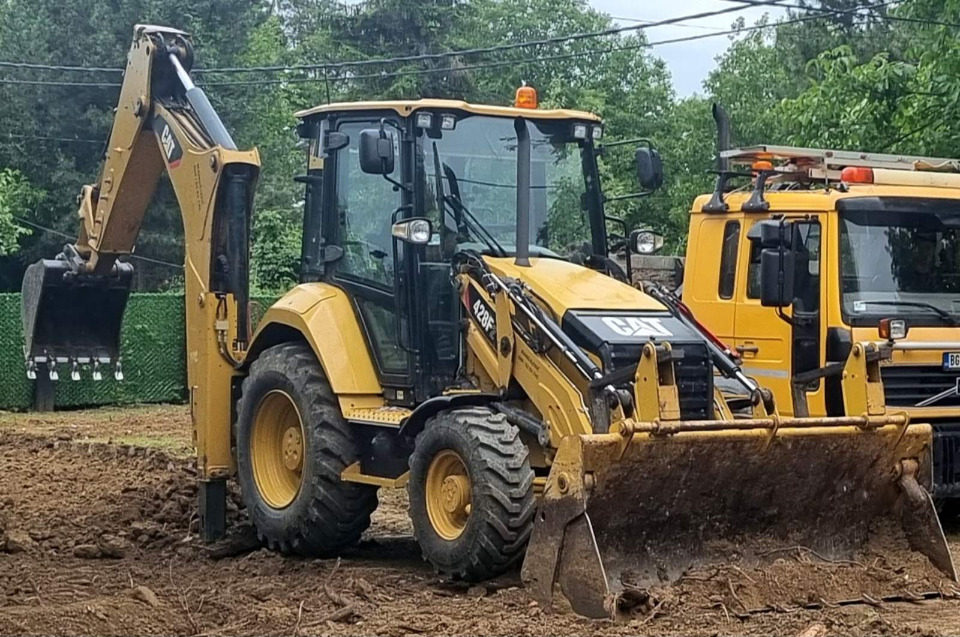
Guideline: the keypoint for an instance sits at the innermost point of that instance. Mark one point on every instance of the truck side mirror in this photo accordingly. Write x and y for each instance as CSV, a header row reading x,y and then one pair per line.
x,y
376,152
649,168
777,261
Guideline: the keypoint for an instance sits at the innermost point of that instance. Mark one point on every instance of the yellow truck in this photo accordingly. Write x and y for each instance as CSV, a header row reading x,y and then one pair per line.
x,y
822,249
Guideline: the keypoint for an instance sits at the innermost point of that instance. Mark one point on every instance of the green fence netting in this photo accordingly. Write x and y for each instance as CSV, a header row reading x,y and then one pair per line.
x,y
152,349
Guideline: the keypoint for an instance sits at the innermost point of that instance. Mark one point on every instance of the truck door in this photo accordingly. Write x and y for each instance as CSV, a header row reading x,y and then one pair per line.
x,y
771,348
710,273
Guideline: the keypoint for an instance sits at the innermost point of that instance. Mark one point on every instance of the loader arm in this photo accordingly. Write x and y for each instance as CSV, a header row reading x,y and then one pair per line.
x,y
72,305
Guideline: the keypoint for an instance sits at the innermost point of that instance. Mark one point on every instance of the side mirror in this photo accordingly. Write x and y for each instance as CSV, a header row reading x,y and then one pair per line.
x,y
777,261
376,152
649,168
645,242
417,231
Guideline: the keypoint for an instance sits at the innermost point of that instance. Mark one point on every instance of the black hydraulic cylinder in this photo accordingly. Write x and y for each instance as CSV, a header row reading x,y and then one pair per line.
x,y
237,201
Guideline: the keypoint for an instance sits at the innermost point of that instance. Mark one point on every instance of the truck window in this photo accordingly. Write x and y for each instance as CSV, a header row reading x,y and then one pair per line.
x,y
728,259
753,272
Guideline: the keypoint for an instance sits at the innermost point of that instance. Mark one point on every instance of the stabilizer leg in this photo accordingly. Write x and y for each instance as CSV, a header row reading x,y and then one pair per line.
x,y
213,509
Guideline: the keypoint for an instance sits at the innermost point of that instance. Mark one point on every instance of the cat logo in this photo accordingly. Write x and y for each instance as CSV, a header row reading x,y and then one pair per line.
x,y
168,141
167,138
636,326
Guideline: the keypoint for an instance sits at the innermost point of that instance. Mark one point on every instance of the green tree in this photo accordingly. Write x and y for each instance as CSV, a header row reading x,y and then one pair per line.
x,y
17,198
275,252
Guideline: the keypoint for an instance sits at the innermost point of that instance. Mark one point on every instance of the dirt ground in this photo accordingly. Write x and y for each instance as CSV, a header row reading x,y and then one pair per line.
x,y
98,537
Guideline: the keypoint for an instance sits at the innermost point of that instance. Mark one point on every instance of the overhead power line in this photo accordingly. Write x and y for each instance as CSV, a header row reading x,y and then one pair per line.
x,y
55,67
647,22
7,80
52,139
413,58
64,235
856,11
512,62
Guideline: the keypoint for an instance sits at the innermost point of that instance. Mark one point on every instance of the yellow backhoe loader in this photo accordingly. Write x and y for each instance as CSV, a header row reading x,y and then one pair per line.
x,y
532,405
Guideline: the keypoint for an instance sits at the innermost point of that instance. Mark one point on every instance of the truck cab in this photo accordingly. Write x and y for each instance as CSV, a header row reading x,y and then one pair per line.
x,y
863,248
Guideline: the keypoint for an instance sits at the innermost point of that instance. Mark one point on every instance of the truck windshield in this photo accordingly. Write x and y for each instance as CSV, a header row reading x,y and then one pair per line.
x,y
900,264
478,176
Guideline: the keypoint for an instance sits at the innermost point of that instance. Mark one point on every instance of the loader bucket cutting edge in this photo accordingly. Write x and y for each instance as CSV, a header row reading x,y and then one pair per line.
x,y
646,511
69,317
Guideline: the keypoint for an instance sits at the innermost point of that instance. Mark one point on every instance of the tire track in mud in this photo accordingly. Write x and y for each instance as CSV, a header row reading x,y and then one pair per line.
x,y
104,541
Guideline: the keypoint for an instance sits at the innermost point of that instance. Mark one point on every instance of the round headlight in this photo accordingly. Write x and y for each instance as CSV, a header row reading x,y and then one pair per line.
x,y
419,231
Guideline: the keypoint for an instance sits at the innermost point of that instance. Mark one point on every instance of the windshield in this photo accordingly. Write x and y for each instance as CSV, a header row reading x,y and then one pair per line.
x,y
900,263
478,176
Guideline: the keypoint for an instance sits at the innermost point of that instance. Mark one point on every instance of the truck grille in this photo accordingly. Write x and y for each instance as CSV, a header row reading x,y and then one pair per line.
x,y
946,460
906,385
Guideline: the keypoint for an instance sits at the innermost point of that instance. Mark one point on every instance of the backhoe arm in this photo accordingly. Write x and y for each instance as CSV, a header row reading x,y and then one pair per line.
x,y
73,305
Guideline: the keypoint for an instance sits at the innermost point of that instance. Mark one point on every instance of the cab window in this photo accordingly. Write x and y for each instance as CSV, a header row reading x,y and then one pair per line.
x,y
364,206
728,259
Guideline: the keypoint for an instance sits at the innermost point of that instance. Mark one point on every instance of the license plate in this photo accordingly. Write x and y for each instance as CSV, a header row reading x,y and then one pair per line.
x,y
951,360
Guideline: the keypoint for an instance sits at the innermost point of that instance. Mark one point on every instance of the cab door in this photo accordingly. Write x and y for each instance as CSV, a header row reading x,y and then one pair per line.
x,y
773,349
360,210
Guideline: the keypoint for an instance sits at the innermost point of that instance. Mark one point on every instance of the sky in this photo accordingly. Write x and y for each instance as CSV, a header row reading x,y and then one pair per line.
x,y
689,62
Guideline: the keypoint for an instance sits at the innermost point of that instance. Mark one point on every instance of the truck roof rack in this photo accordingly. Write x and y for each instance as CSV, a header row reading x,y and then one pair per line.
x,y
819,164
776,167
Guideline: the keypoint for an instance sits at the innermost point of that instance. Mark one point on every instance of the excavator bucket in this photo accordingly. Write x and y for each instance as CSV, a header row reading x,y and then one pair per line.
x,y
70,317
628,512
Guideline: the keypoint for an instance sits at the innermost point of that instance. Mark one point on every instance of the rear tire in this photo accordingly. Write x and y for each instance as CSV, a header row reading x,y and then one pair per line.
x,y
291,484
471,493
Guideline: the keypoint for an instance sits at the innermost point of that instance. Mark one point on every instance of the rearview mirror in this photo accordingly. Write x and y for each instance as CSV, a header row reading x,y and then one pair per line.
x,y
376,152
649,168
777,261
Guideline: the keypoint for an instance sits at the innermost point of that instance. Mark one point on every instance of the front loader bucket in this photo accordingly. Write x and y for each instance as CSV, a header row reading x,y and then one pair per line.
x,y
633,512
72,317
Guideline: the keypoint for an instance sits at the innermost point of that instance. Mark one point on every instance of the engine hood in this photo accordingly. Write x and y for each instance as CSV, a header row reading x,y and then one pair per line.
x,y
567,286
610,319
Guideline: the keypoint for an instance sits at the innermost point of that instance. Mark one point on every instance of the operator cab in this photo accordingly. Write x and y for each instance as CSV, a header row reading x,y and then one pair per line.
x,y
396,189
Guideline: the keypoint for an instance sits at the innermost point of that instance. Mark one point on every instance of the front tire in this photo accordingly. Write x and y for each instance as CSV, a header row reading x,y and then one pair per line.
x,y
292,444
471,493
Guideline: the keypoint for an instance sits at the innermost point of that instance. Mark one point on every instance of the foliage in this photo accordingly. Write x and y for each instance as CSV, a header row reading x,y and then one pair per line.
x,y
275,255
17,197
858,79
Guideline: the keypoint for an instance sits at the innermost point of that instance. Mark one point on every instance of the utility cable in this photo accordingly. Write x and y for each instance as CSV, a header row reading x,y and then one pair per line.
x,y
64,235
500,63
856,11
410,58
52,139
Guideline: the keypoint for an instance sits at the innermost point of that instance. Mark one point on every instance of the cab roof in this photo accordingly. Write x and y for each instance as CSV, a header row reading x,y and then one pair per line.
x,y
406,107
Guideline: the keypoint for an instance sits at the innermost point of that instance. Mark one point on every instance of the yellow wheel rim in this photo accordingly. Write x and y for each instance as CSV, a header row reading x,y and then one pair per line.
x,y
276,449
448,494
